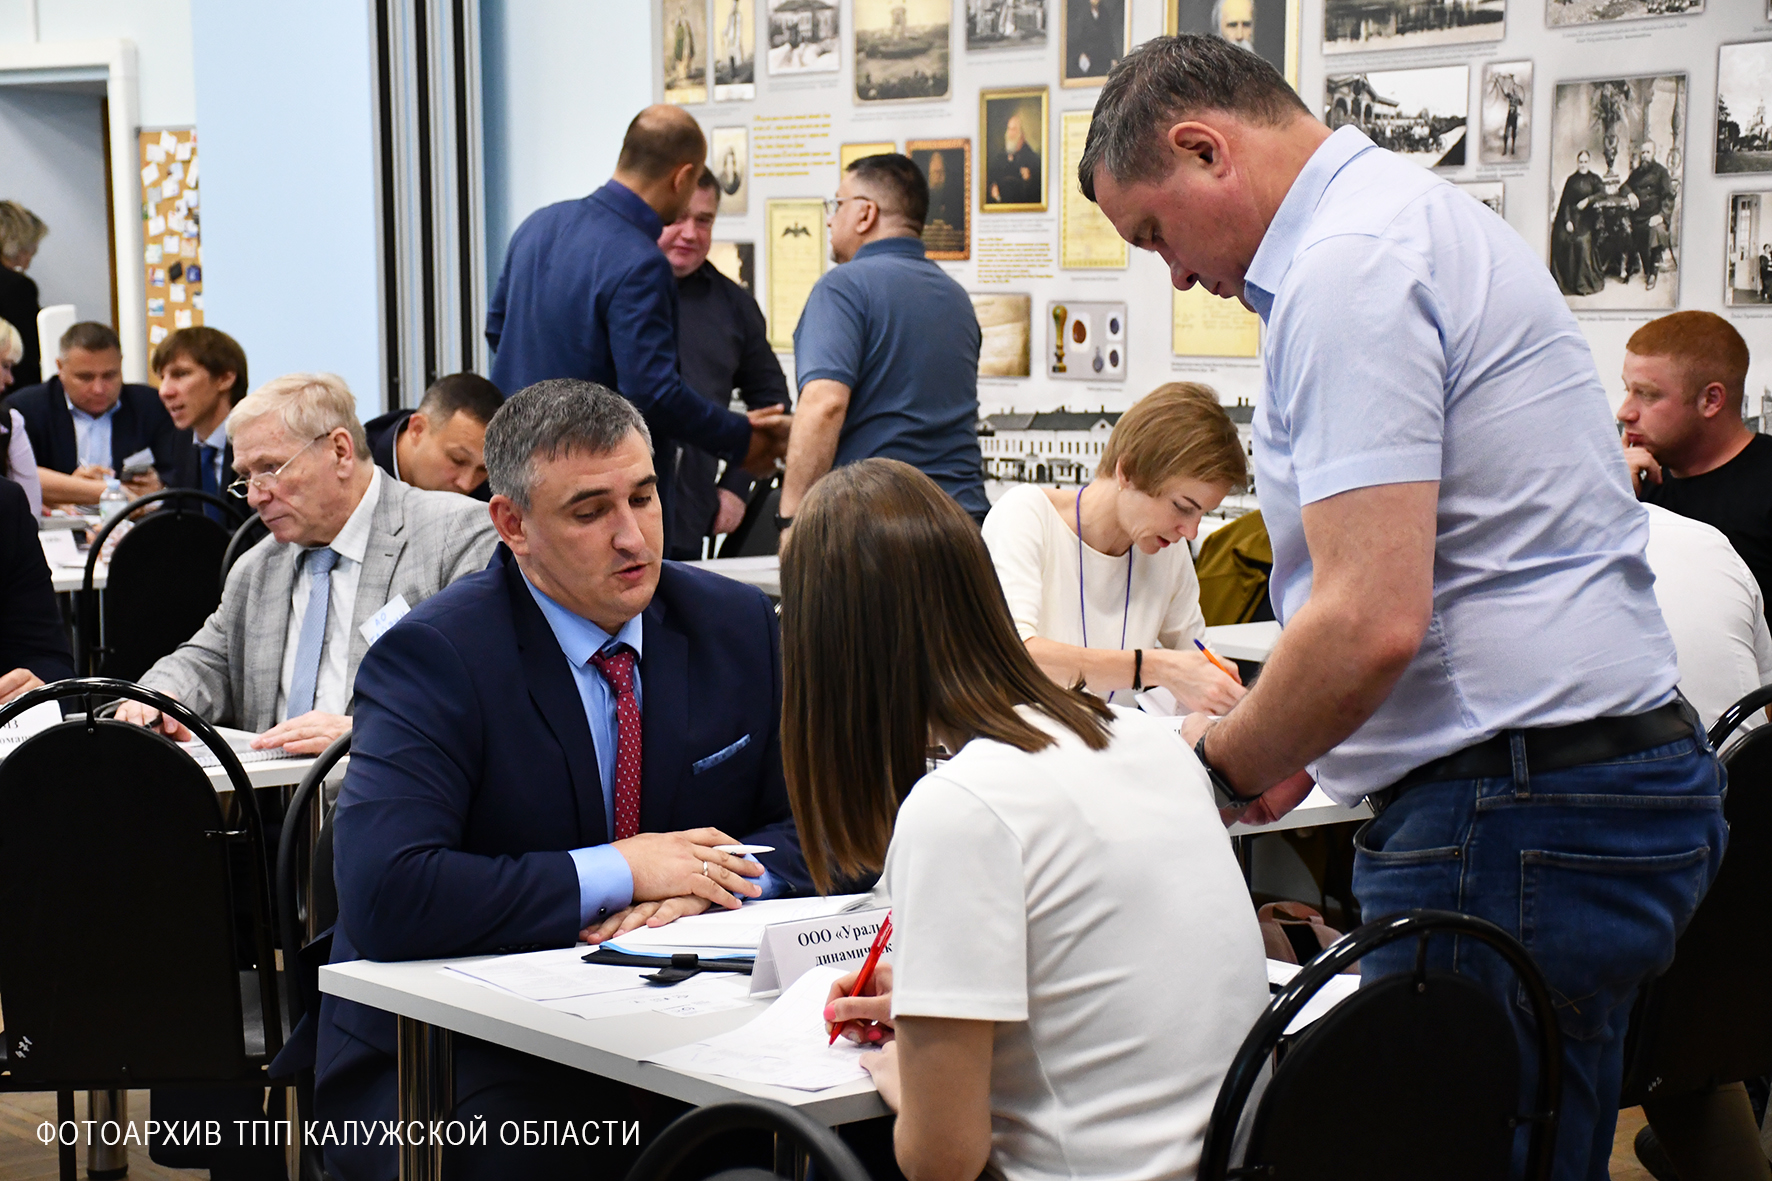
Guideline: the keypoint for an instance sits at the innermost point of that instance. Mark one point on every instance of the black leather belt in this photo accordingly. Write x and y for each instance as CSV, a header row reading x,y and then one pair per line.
x,y
1552,748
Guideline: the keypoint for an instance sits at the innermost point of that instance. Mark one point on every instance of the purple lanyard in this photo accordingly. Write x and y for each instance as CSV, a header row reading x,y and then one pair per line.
x,y
1082,604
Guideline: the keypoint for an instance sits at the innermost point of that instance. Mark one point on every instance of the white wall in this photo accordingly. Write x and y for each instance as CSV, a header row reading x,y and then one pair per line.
x,y
161,30
286,118
561,80
53,145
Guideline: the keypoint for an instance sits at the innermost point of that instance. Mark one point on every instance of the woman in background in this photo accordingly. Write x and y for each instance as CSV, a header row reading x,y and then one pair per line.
x,y
20,233
1061,887
1099,579
18,462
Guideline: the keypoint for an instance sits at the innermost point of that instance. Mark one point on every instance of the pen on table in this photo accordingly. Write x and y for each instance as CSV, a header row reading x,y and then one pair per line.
x,y
1210,655
881,937
744,850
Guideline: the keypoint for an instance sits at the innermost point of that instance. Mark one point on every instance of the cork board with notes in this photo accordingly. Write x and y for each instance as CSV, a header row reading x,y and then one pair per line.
x,y
172,254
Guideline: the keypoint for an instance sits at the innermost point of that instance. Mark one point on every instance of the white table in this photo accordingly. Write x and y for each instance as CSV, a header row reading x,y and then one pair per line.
x,y
431,1006
272,773
67,563
58,521
763,572
1244,641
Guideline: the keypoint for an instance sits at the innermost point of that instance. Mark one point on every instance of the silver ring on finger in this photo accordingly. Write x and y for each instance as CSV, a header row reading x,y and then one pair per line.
x,y
704,870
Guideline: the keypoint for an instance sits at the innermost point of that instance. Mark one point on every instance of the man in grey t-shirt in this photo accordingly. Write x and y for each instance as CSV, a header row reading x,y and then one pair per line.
x,y
886,351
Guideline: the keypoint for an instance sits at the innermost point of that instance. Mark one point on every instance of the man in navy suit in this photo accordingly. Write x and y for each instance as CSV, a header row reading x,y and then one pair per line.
x,y
587,293
547,749
86,422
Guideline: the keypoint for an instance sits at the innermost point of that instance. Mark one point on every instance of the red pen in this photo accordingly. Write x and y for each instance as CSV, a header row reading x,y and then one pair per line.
x,y
881,937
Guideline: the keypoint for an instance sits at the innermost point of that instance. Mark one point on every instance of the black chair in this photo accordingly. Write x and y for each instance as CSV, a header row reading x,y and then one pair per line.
x,y
251,531
797,1136
756,534
304,918
1415,1075
1707,1020
120,965
161,585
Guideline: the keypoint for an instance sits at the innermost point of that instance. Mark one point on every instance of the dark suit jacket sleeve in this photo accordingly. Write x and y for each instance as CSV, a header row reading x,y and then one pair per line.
x,y
786,863
495,309
760,380
643,343
31,633
406,887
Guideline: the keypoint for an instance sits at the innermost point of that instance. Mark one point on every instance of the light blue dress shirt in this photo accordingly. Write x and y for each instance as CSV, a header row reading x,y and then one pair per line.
x,y
92,435
605,882
1412,335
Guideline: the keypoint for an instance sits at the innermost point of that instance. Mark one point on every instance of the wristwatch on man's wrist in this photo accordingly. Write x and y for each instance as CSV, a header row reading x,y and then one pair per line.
x,y
1223,794
782,523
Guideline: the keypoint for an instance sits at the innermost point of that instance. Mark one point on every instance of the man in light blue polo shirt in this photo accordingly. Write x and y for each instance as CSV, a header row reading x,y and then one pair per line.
x,y
886,351
1471,638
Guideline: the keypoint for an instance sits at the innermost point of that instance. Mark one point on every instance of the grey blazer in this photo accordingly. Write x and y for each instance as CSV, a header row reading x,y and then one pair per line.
x,y
230,671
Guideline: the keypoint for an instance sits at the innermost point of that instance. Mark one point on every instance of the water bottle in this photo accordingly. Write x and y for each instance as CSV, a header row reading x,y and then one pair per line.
x,y
112,500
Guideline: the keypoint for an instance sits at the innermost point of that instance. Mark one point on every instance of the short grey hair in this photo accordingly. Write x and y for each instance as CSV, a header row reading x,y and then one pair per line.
x,y
560,416
309,405
20,230
1162,82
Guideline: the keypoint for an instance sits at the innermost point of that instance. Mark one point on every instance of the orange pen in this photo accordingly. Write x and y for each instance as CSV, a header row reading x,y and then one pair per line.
x,y
1214,659
881,937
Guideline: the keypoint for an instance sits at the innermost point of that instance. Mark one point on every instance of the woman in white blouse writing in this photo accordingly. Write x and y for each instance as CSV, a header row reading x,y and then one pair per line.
x,y
1075,956
1099,579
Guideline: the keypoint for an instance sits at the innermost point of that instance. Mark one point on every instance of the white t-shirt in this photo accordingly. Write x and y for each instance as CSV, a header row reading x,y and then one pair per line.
x,y
1088,902
1714,611
1035,553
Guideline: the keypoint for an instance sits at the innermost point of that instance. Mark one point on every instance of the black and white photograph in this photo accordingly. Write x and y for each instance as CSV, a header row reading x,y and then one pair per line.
x,y
947,166
1012,128
1618,148
1505,112
1422,115
1260,26
1360,26
901,50
1558,13
1005,24
735,50
1748,263
685,51
1093,37
1744,90
737,261
729,157
1492,193
803,36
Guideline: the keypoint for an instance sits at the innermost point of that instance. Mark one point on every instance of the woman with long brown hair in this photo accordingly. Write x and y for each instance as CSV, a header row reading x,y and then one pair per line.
x,y
1076,959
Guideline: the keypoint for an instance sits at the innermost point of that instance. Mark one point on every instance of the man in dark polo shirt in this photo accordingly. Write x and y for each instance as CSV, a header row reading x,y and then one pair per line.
x,y
1689,452
886,352
722,345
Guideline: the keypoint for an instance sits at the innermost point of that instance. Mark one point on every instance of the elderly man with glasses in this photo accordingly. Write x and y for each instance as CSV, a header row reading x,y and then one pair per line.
x,y
350,551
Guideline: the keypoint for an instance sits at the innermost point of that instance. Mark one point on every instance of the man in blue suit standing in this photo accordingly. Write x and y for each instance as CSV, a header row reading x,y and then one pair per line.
x,y
547,749
587,293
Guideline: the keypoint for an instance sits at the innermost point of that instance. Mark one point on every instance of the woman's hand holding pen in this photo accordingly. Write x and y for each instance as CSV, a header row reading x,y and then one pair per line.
x,y
866,1019
1194,679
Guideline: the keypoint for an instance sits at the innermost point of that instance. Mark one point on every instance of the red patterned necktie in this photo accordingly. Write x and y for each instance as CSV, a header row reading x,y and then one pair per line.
x,y
617,667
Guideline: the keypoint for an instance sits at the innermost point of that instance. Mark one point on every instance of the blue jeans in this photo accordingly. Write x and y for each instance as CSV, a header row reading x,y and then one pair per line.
x,y
1596,869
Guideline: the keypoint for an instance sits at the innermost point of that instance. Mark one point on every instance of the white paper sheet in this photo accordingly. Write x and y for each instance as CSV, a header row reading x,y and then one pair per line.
x,y
708,992
1338,989
725,931
550,975
785,1046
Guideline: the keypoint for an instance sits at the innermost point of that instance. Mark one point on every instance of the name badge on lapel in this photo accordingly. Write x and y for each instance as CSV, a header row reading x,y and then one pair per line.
x,y
377,625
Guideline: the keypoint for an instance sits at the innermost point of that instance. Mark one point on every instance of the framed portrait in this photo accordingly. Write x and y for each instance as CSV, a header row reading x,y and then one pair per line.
x,y
1005,24
1422,115
1618,149
1012,127
803,36
850,153
735,50
729,158
1268,28
1744,90
1505,112
901,50
1747,265
1005,323
1558,13
947,165
1360,26
1093,36
1492,193
685,50
738,262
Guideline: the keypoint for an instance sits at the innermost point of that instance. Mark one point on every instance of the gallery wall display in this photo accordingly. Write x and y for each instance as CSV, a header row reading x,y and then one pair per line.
x,y
1421,115
1747,263
850,153
1086,341
1744,90
901,49
1087,240
1012,127
729,157
1265,27
685,49
1003,325
1562,13
947,165
1358,25
737,261
1506,112
735,61
1005,24
1203,325
795,256
1492,193
803,36
1095,34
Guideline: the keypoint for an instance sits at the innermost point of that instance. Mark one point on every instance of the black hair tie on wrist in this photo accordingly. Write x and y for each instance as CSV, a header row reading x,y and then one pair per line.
x,y
1138,670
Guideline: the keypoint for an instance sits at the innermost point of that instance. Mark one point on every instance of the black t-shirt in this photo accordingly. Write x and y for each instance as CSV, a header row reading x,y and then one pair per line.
x,y
1736,498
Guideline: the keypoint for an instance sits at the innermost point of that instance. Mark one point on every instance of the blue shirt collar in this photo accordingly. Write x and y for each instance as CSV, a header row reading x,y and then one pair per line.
x,y
81,414
628,204
579,638
1285,234
911,246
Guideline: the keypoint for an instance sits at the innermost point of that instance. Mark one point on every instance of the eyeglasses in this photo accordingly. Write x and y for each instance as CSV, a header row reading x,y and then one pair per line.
x,y
832,204
267,481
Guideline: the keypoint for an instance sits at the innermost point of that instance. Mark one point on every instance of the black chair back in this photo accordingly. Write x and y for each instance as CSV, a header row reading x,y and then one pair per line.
x,y
1705,1021
119,960
297,869
756,534
1415,1075
251,531
161,585
696,1127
